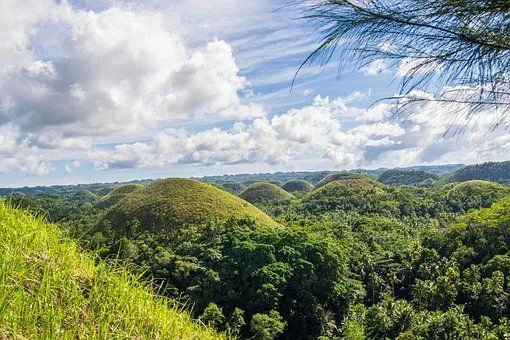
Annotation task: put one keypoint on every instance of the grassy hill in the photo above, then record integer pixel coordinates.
(475, 194)
(116, 195)
(170, 203)
(345, 177)
(49, 289)
(297, 185)
(84, 196)
(234, 187)
(264, 192)
(405, 177)
(490, 171)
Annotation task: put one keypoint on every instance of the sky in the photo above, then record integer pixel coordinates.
(117, 90)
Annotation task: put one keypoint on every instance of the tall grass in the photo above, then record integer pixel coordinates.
(50, 289)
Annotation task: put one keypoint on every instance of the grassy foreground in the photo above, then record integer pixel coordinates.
(50, 289)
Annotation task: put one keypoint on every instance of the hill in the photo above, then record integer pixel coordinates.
(116, 195)
(490, 171)
(297, 185)
(345, 177)
(359, 195)
(50, 289)
(234, 187)
(83, 196)
(405, 177)
(475, 194)
(264, 192)
(166, 204)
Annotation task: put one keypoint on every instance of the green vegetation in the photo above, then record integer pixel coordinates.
(264, 192)
(117, 194)
(297, 186)
(345, 177)
(404, 177)
(50, 289)
(84, 196)
(234, 187)
(353, 259)
(490, 171)
(172, 203)
(475, 194)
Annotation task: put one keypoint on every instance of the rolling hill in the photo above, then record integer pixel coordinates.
(345, 177)
(264, 192)
(171, 203)
(297, 186)
(117, 194)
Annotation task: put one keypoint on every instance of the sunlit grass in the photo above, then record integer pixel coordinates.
(51, 289)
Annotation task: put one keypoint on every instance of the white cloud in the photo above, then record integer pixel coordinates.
(115, 71)
(16, 154)
(376, 67)
(313, 132)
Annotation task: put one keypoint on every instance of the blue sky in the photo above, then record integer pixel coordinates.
(103, 90)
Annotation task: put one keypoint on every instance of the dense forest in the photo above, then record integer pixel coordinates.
(406, 254)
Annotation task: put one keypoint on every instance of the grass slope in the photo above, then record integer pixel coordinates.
(174, 202)
(475, 194)
(117, 194)
(345, 177)
(263, 192)
(297, 185)
(491, 171)
(233, 187)
(49, 289)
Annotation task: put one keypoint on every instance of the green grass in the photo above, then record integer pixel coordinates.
(477, 186)
(49, 289)
(170, 203)
(263, 192)
(297, 185)
(84, 196)
(117, 194)
(234, 187)
(345, 177)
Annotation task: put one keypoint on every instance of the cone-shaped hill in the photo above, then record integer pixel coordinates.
(297, 186)
(84, 196)
(233, 187)
(475, 194)
(264, 192)
(116, 195)
(171, 203)
(359, 194)
(345, 177)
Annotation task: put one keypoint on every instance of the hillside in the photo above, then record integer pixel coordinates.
(490, 171)
(264, 192)
(475, 194)
(50, 289)
(345, 177)
(234, 187)
(297, 185)
(170, 203)
(116, 195)
(405, 177)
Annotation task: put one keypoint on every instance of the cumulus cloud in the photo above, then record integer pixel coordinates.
(321, 130)
(16, 154)
(71, 75)
(117, 70)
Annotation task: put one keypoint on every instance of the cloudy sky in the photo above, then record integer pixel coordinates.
(105, 90)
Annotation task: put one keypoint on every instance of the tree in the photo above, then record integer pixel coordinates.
(461, 46)
(213, 316)
(267, 326)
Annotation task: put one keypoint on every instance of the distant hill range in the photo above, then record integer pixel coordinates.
(490, 171)
(413, 175)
